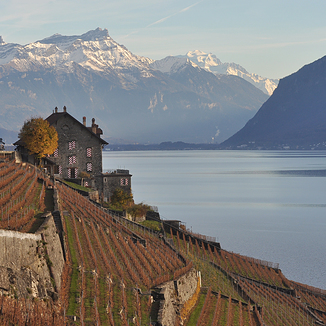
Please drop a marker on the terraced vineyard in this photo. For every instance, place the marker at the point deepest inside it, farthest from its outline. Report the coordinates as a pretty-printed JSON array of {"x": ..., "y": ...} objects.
[
  {"x": 264, "y": 289},
  {"x": 216, "y": 309},
  {"x": 22, "y": 191},
  {"x": 113, "y": 265}
]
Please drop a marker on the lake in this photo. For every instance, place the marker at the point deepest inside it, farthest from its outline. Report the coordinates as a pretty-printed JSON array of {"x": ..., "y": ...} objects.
[{"x": 269, "y": 205}]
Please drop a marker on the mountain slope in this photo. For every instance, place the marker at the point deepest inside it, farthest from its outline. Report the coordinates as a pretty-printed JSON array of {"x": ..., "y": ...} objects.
[
  {"x": 231, "y": 98},
  {"x": 130, "y": 98},
  {"x": 293, "y": 116}
]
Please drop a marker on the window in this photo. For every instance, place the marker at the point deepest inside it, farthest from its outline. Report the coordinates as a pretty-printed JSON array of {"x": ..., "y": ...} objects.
[
  {"x": 72, "y": 159},
  {"x": 89, "y": 152},
  {"x": 60, "y": 169},
  {"x": 123, "y": 182},
  {"x": 72, "y": 173},
  {"x": 89, "y": 167},
  {"x": 56, "y": 153},
  {"x": 72, "y": 145}
]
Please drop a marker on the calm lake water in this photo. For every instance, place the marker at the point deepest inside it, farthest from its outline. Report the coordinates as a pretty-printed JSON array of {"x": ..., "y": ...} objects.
[{"x": 269, "y": 205}]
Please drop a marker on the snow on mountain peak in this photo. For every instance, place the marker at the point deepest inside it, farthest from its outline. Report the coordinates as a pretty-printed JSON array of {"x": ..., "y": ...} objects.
[
  {"x": 212, "y": 64},
  {"x": 203, "y": 59},
  {"x": 94, "y": 50},
  {"x": 170, "y": 64},
  {"x": 92, "y": 35}
]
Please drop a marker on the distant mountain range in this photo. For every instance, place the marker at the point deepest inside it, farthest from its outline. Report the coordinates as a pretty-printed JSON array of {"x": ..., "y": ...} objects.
[
  {"x": 210, "y": 62},
  {"x": 294, "y": 117},
  {"x": 193, "y": 98}
]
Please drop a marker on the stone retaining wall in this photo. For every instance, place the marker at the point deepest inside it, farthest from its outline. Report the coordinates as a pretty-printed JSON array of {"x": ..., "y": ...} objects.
[
  {"x": 23, "y": 267},
  {"x": 29, "y": 261},
  {"x": 53, "y": 249},
  {"x": 176, "y": 294}
]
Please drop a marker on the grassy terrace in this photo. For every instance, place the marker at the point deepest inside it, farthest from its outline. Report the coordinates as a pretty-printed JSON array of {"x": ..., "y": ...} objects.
[
  {"x": 76, "y": 186},
  {"x": 74, "y": 288}
]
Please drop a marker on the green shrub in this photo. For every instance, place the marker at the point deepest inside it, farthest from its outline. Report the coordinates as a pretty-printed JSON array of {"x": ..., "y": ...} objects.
[
  {"x": 138, "y": 210},
  {"x": 121, "y": 200}
]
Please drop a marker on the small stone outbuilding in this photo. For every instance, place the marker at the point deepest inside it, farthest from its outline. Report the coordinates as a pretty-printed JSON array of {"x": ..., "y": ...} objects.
[{"x": 112, "y": 180}]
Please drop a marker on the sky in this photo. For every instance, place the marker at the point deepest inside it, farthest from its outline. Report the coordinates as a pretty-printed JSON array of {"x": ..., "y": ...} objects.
[{"x": 270, "y": 38}]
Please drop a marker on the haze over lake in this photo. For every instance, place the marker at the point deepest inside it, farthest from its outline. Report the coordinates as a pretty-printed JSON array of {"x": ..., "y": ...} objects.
[{"x": 269, "y": 205}]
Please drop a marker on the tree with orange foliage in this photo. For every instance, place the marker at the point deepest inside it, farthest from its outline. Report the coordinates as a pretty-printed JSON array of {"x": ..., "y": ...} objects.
[{"x": 39, "y": 137}]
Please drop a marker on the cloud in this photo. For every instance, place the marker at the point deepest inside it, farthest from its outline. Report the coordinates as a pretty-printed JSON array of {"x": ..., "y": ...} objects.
[
  {"x": 174, "y": 14},
  {"x": 195, "y": 4},
  {"x": 165, "y": 18}
]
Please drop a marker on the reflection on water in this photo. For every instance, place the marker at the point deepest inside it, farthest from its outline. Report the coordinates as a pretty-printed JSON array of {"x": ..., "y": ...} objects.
[{"x": 265, "y": 204}]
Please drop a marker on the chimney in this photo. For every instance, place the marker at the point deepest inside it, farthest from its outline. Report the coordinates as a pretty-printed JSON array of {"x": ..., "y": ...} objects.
[
  {"x": 84, "y": 121},
  {"x": 93, "y": 126},
  {"x": 56, "y": 109},
  {"x": 64, "y": 109}
]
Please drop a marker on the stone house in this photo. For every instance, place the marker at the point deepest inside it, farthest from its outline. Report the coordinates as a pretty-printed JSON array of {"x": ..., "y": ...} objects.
[
  {"x": 79, "y": 150},
  {"x": 79, "y": 147}
]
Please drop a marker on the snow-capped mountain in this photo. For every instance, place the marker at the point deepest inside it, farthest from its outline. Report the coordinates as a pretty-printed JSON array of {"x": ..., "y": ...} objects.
[
  {"x": 94, "y": 50},
  {"x": 171, "y": 65},
  {"x": 211, "y": 63},
  {"x": 129, "y": 95}
]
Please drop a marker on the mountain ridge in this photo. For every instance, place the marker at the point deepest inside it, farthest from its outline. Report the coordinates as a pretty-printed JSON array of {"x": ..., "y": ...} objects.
[
  {"x": 293, "y": 117},
  {"x": 93, "y": 74}
]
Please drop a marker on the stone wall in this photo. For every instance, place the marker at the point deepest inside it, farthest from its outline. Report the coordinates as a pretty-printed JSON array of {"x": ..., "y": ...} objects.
[
  {"x": 29, "y": 261},
  {"x": 176, "y": 294},
  {"x": 23, "y": 267},
  {"x": 54, "y": 252}
]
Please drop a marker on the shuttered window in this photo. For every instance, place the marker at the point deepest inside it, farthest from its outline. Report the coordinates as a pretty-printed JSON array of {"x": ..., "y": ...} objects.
[
  {"x": 72, "y": 145},
  {"x": 89, "y": 167},
  {"x": 72, "y": 159},
  {"x": 123, "y": 182}
]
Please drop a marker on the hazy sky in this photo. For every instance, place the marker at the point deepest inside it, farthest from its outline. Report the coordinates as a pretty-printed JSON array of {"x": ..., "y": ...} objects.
[{"x": 270, "y": 38}]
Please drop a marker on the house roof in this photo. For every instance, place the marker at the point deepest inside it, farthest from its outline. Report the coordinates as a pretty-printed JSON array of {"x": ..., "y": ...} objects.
[{"x": 54, "y": 117}]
